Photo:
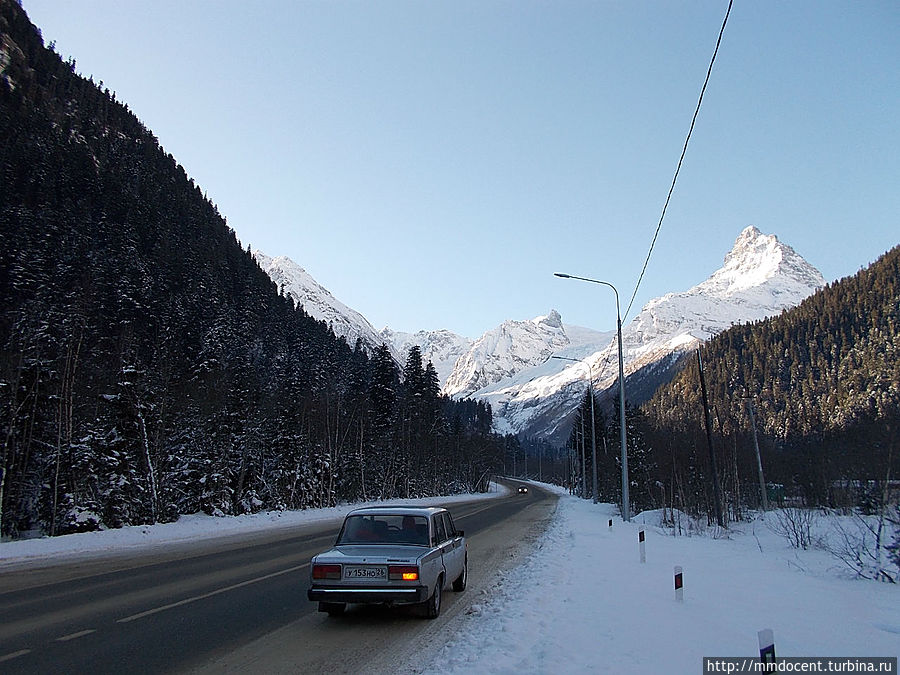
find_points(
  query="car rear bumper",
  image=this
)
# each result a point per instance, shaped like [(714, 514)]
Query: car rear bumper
[(368, 594)]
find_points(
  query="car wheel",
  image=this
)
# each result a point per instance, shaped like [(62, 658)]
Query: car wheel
[(459, 584), (433, 604), (333, 608)]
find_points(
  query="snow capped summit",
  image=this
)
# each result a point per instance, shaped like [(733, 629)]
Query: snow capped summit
[(755, 260), (317, 301), (759, 278), (504, 351), (441, 347), (552, 320), (512, 347)]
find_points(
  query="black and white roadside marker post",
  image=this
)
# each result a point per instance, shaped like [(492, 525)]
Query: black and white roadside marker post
[(610, 523), (641, 544), (767, 648), (679, 584)]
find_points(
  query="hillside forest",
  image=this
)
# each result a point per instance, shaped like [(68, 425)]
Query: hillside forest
[(149, 367), (821, 385)]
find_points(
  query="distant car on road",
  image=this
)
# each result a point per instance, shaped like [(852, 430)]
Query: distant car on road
[(392, 555), (522, 490)]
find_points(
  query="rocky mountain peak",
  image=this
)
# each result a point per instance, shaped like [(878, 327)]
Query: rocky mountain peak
[(755, 260), (506, 350), (551, 320)]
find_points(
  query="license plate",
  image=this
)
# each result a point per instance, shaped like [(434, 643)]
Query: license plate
[(365, 572)]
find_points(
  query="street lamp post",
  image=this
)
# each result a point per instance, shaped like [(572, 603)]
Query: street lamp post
[(593, 423), (626, 503)]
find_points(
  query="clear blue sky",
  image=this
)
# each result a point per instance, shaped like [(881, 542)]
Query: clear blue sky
[(433, 164)]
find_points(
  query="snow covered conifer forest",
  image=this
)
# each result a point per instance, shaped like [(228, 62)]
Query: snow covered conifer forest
[(149, 367), (823, 380)]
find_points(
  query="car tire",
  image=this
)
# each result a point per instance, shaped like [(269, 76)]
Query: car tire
[(459, 584), (332, 608), (433, 604)]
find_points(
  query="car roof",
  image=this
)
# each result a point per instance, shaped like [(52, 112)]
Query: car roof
[(395, 509)]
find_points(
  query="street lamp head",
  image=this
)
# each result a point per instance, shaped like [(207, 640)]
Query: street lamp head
[(561, 275)]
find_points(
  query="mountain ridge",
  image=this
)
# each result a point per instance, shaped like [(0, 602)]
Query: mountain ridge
[(299, 285), (511, 366), (760, 277)]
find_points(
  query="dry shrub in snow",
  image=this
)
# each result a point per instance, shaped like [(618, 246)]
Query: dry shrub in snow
[(864, 544), (894, 547), (794, 524)]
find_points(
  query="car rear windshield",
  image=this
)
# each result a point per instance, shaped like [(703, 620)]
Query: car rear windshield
[(384, 529)]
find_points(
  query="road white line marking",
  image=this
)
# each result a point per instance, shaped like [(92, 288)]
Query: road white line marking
[(472, 513), (14, 655), (73, 636), (187, 601)]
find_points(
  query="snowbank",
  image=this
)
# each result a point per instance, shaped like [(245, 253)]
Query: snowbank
[(584, 603), (191, 528)]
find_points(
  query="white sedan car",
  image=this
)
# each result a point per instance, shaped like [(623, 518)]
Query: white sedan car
[(393, 555)]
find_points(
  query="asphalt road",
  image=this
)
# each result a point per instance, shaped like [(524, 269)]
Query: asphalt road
[(239, 604)]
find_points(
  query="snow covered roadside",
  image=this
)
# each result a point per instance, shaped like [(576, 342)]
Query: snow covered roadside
[(189, 529), (583, 602)]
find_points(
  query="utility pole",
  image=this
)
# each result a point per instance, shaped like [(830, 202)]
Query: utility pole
[(583, 463), (573, 466), (593, 439), (717, 489), (762, 480)]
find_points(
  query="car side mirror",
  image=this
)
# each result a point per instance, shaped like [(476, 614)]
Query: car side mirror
[(460, 533)]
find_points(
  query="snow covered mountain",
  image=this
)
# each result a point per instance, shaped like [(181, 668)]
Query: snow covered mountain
[(318, 302), (498, 354), (504, 352), (760, 277), (510, 366), (441, 347)]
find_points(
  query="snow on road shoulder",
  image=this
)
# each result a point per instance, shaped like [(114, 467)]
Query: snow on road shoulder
[(583, 602), (192, 528)]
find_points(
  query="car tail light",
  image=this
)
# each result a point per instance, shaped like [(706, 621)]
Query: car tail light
[(403, 572), (326, 572)]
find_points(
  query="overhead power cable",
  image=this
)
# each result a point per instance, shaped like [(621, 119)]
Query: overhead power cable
[(680, 160)]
